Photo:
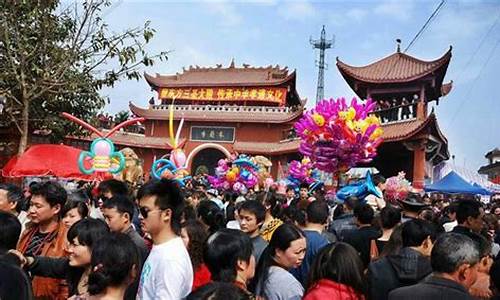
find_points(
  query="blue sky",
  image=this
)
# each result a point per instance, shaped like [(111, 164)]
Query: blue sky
[(267, 32)]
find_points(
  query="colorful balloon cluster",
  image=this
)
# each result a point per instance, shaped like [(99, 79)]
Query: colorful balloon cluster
[(397, 188), (337, 136), (300, 172), (238, 175)]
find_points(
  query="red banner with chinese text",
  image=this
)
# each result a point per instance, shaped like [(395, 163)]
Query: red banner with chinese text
[(273, 94)]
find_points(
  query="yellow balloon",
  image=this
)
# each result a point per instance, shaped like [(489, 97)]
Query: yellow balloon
[(318, 119), (230, 176), (351, 113), (376, 134), (235, 170)]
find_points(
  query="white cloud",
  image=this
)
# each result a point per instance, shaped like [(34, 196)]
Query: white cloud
[(226, 12), (300, 11), (356, 14), (396, 9)]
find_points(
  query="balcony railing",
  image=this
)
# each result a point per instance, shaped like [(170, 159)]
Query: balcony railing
[(397, 113)]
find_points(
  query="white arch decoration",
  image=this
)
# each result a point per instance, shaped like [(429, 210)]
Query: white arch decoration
[(205, 146)]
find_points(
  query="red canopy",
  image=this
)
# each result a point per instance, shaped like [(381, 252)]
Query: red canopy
[(47, 160)]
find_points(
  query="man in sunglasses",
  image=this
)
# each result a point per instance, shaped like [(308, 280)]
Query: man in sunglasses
[(167, 272)]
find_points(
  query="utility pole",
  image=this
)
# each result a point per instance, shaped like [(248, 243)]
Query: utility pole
[(322, 44)]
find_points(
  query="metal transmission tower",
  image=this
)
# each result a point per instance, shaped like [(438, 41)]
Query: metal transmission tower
[(322, 44)]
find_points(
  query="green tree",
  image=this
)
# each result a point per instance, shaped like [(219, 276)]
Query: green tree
[(121, 116), (55, 59)]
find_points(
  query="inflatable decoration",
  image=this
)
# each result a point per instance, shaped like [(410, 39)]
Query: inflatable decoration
[(132, 172), (337, 136), (359, 189), (397, 188), (303, 172), (264, 174), (238, 175), (102, 152), (175, 167)]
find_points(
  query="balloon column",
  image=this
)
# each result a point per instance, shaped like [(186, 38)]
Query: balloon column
[(397, 188), (302, 172), (102, 152), (238, 175), (175, 167), (337, 136)]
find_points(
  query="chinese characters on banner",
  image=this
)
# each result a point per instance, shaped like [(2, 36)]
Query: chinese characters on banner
[(274, 95)]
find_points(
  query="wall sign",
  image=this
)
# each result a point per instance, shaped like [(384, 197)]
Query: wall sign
[(212, 134)]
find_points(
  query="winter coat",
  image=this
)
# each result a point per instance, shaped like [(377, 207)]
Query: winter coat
[(328, 289), (432, 288), (407, 267)]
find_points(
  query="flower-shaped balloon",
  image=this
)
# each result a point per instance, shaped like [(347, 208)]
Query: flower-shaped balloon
[(102, 152), (300, 172), (337, 136), (237, 175)]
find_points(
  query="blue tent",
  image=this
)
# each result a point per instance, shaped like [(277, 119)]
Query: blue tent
[(486, 192), (453, 183)]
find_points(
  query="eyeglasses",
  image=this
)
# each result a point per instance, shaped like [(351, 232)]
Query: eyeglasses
[(144, 211)]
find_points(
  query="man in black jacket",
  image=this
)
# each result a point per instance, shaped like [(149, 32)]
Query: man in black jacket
[(361, 237), (470, 216), (454, 261), (409, 266)]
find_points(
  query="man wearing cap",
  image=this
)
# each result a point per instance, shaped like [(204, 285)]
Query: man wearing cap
[(411, 207), (213, 195)]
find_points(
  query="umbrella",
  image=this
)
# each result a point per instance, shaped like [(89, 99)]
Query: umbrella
[(48, 160)]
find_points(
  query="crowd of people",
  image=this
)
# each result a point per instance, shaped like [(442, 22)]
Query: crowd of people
[(164, 241), (396, 109)]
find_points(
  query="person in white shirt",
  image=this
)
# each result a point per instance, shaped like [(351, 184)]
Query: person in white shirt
[(11, 201), (167, 273), (375, 202)]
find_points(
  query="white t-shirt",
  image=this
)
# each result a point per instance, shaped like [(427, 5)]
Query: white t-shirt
[(375, 202), (167, 273)]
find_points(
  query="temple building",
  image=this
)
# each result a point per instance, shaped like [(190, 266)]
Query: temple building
[(403, 86), (245, 110), (492, 169)]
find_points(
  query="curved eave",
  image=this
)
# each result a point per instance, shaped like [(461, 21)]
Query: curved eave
[(446, 88), (217, 116), (350, 72), (156, 82)]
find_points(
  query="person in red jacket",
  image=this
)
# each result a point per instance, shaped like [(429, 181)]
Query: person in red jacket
[(337, 273)]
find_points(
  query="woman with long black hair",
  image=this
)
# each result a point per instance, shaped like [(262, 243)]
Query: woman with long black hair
[(337, 273), (286, 250)]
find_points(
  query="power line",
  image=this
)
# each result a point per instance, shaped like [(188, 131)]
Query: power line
[(429, 20), (434, 14), (475, 80), (478, 47)]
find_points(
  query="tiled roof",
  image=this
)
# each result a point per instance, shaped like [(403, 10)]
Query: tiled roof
[(132, 140), (274, 115), (392, 133), (493, 152), (219, 76), (267, 148), (395, 68)]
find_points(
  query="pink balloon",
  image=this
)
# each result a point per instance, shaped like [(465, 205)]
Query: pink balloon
[(178, 157)]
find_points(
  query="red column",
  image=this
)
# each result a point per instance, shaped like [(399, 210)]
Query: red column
[(418, 167)]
